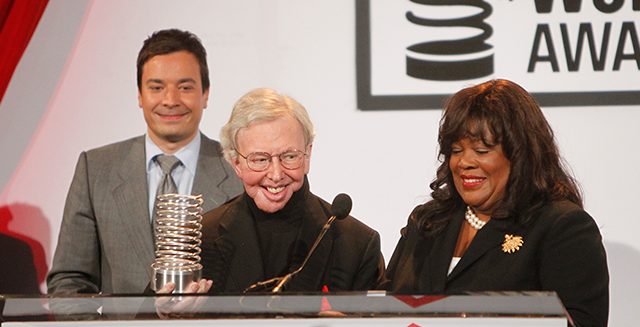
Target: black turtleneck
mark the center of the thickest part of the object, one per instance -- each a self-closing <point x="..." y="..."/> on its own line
<point x="278" y="232"/>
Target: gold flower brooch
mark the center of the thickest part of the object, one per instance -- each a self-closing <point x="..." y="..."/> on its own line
<point x="512" y="243"/>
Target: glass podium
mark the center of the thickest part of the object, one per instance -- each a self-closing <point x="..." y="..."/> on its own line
<point x="305" y="309"/>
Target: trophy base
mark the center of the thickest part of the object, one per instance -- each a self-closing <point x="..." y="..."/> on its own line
<point x="182" y="278"/>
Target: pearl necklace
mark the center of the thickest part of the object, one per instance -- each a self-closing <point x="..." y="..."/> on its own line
<point x="473" y="220"/>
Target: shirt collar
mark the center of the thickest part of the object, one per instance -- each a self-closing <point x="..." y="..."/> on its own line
<point x="188" y="155"/>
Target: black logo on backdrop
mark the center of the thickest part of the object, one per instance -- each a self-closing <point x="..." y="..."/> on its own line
<point x="451" y="70"/>
<point x="557" y="48"/>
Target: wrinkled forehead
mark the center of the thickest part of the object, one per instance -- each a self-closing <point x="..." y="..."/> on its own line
<point x="282" y="127"/>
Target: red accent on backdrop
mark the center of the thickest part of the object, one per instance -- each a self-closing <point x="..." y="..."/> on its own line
<point x="18" y="21"/>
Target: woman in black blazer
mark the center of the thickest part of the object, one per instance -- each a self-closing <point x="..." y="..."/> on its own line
<point x="505" y="214"/>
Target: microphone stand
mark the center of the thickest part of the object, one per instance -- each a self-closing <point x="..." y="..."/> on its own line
<point x="288" y="276"/>
<point x="283" y="280"/>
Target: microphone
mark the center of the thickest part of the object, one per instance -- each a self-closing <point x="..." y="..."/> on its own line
<point x="340" y="208"/>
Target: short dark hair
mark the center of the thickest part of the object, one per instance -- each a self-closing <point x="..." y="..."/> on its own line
<point x="170" y="41"/>
<point x="500" y="112"/>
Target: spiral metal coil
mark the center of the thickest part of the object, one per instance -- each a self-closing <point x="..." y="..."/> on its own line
<point x="178" y="235"/>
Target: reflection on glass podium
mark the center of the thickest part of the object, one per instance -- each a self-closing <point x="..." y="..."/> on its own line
<point x="325" y="309"/>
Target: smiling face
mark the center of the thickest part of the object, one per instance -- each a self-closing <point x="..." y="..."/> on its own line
<point x="172" y="99"/>
<point x="480" y="173"/>
<point x="271" y="189"/>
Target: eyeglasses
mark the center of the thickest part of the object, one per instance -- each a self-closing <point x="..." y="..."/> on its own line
<point x="259" y="161"/>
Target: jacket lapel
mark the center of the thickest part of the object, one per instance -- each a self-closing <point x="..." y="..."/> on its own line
<point x="489" y="237"/>
<point x="311" y="276"/>
<point x="216" y="184"/>
<point x="244" y="262"/>
<point x="441" y="254"/>
<point x="131" y="198"/>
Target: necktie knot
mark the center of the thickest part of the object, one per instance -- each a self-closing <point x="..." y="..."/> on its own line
<point x="167" y="163"/>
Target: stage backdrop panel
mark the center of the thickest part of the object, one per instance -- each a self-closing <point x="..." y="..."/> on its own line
<point x="347" y="62"/>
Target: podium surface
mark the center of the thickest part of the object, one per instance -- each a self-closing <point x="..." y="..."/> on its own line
<point x="331" y="309"/>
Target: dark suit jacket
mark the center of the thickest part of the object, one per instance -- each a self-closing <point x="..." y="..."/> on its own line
<point x="348" y="258"/>
<point x="562" y="252"/>
<point x="17" y="272"/>
<point x="105" y="243"/>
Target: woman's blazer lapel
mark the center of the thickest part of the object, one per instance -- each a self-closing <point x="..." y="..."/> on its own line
<point x="434" y="274"/>
<point x="490" y="237"/>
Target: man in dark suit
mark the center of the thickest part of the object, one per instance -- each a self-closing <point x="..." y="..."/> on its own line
<point x="106" y="238"/>
<point x="267" y="232"/>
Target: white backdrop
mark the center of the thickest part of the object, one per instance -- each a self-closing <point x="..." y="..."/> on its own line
<point x="75" y="89"/>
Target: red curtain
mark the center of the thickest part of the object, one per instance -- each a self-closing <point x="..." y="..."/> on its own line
<point x="18" y="21"/>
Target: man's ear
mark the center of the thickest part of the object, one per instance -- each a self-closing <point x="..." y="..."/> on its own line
<point x="205" y="95"/>
<point x="307" y="159"/>
<point x="236" y="165"/>
<point x="309" y="150"/>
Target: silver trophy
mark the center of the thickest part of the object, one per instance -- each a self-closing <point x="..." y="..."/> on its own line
<point x="178" y="239"/>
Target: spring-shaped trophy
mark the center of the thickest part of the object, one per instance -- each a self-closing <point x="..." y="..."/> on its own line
<point x="178" y="238"/>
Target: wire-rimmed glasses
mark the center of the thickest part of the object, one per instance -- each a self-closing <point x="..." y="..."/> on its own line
<point x="260" y="161"/>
